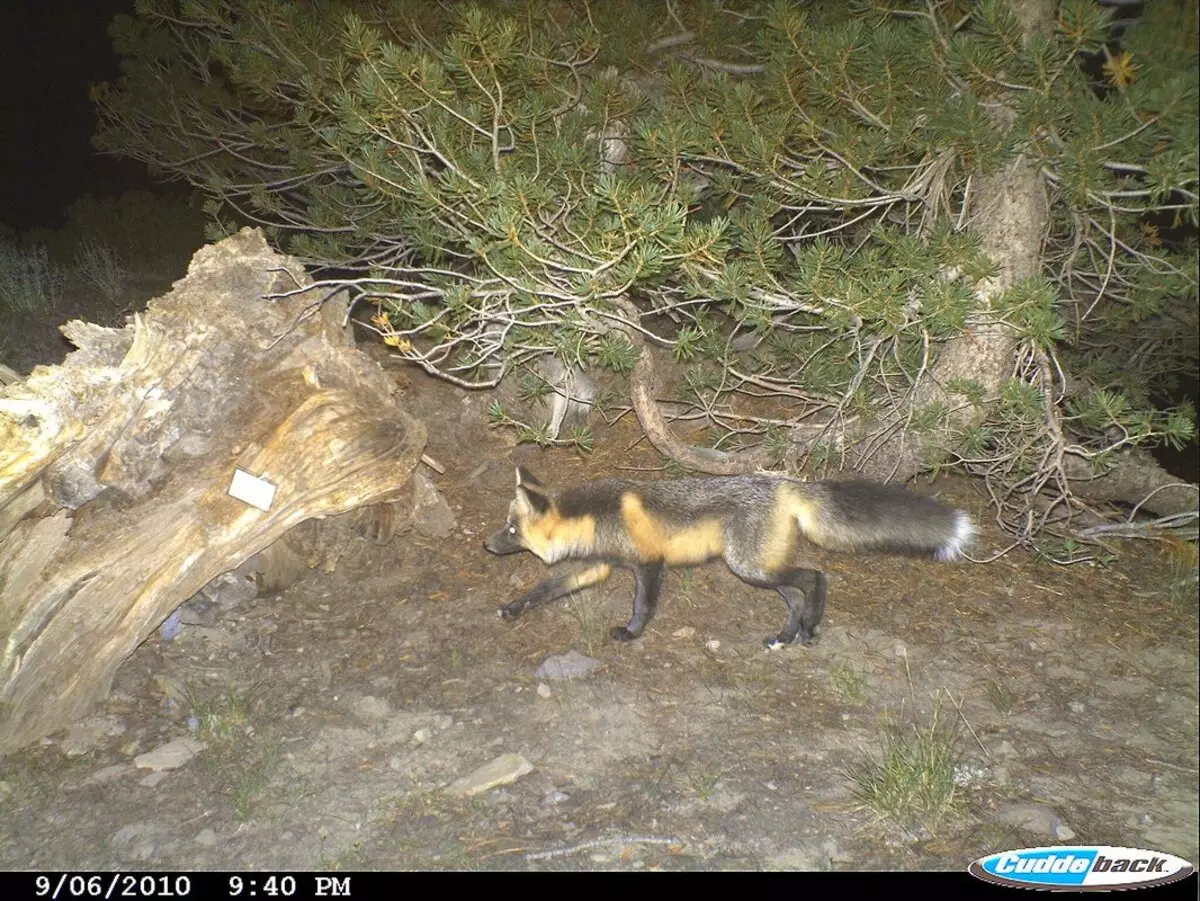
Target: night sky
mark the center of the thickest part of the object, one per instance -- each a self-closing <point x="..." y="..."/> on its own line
<point x="52" y="51"/>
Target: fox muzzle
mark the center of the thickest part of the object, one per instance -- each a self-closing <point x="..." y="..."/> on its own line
<point x="506" y="541"/>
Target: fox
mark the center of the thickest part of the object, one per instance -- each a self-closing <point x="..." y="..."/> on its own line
<point x="758" y="524"/>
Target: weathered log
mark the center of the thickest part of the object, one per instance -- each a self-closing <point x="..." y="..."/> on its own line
<point x="115" y="465"/>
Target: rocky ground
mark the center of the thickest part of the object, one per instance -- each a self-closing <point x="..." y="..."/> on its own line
<point x="342" y="724"/>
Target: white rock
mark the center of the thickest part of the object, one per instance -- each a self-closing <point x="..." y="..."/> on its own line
<point x="505" y="769"/>
<point x="170" y="756"/>
<point x="571" y="665"/>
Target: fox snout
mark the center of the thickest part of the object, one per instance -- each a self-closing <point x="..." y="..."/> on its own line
<point x="505" y="541"/>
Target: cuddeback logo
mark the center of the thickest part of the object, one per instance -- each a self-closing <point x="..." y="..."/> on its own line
<point x="1091" y="867"/>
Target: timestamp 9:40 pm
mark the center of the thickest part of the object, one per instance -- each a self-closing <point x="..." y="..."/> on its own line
<point x="191" y="886"/>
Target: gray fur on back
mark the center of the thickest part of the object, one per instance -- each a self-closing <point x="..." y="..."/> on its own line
<point x="853" y="515"/>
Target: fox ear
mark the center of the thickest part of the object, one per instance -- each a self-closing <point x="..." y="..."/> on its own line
<point x="531" y="494"/>
<point x="533" y="499"/>
<point x="525" y="477"/>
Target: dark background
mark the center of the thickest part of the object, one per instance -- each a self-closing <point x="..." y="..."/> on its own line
<point x="52" y="51"/>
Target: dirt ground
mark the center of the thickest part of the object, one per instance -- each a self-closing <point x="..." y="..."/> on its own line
<point x="335" y="715"/>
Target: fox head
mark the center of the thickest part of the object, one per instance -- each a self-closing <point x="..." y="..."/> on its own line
<point x="531" y="507"/>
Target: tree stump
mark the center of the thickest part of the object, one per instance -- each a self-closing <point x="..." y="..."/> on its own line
<point x="115" y="465"/>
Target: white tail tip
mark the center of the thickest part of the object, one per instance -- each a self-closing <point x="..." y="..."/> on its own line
<point x="964" y="531"/>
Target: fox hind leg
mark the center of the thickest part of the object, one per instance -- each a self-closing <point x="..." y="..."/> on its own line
<point x="758" y="551"/>
<point x="805" y="591"/>
<point x="649" y="586"/>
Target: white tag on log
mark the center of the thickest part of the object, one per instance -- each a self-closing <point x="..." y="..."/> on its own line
<point x="252" y="490"/>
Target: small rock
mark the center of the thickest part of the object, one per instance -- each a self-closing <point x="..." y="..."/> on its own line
<point x="397" y="728"/>
<point x="421" y="736"/>
<point x="147" y="850"/>
<point x="85" y="735"/>
<point x="557" y="797"/>
<point x="713" y="645"/>
<point x="1077" y="706"/>
<point x="1035" y="818"/>
<point x="135" y="841"/>
<point x="571" y="665"/>
<point x="543" y="691"/>
<point x="371" y="709"/>
<point x="109" y="773"/>
<point x="968" y="774"/>
<point x="170" y="627"/>
<point x="230" y="588"/>
<point x="432" y="516"/>
<point x="505" y="769"/>
<point x="206" y="837"/>
<point x="198" y="611"/>
<point x="170" y="756"/>
<point x="684" y="632"/>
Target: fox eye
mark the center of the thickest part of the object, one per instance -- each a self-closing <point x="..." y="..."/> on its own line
<point x="512" y="530"/>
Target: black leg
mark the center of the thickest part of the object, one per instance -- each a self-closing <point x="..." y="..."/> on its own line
<point x="645" y="601"/>
<point x="804" y="590"/>
<point x="553" y="589"/>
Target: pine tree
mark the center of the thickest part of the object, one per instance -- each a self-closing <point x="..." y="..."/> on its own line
<point x="934" y="234"/>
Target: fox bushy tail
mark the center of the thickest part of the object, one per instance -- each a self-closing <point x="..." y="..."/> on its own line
<point x="860" y="516"/>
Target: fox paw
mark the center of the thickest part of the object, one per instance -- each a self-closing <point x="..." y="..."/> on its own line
<point x="775" y="642"/>
<point x="620" y="633"/>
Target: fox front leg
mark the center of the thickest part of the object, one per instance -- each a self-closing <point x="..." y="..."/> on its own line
<point x="645" y="601"/>
<point x="553" y="589"/>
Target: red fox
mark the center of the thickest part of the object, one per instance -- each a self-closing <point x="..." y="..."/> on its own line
<point x="757" y="523"/>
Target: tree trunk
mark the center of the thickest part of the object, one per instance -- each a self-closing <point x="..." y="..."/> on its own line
<point x="115" y="466"/>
